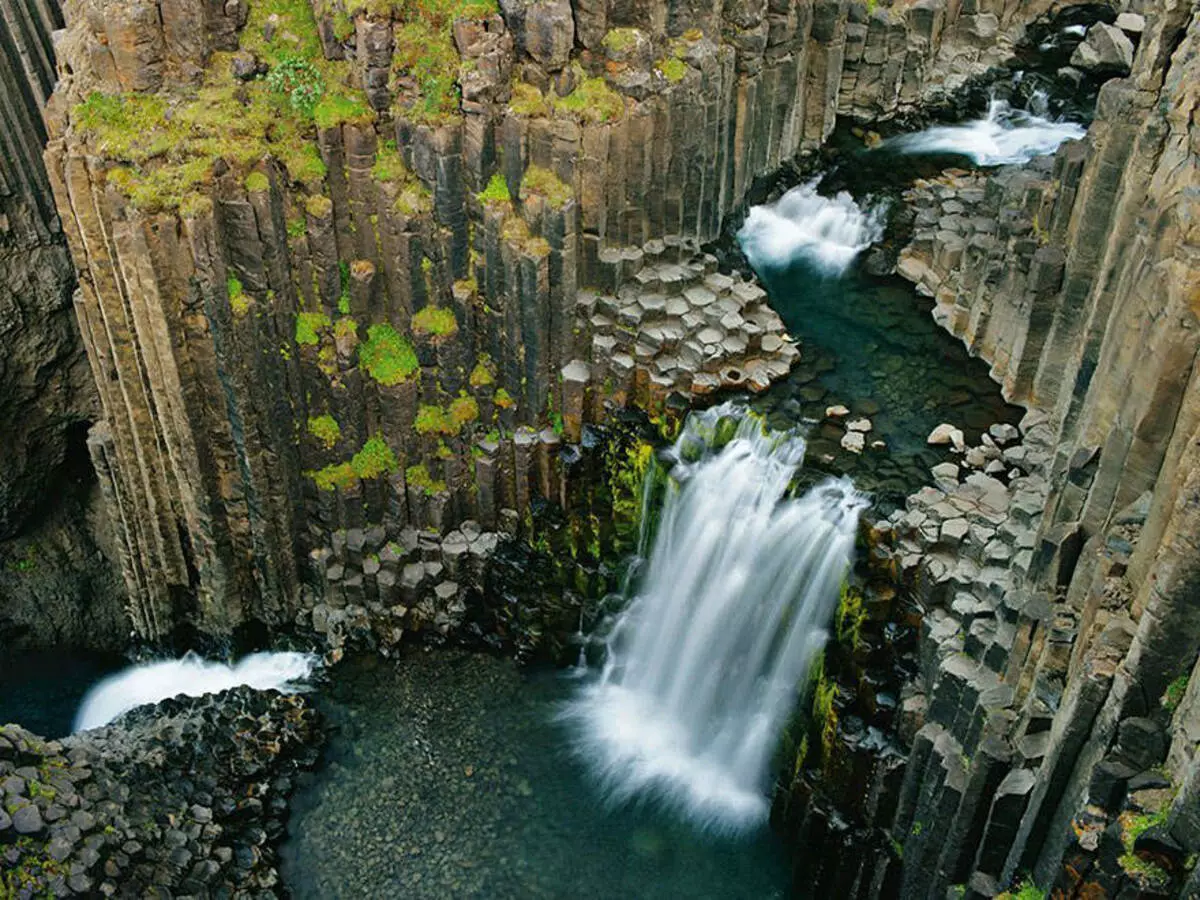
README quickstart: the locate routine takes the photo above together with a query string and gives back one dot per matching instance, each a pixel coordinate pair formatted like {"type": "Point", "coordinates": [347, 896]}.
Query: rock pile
{"type": "Point", "coordinates": [185, 798]}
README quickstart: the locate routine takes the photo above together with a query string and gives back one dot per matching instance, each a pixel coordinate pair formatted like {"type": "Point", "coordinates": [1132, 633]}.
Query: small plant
{"type": "Point", "coordinates": [673, 69]}
{"type": "Point", "coordinates": [850, 616]}
{"type": "Point", "coordinates": [300, 81]}
{"type": "Point", "coordinates": [257, 183]}
{"type": "Point", "coordinates": [418, 477]}
{"type": "Point", "coordinates": [1174, 693]}
{"type": "Point", "coordinates": [481, 375]}
{"type": "Point", "coordinates": [504, 400]}
{"type": "Point", "coordinates": [238, 301]}
{"type": "Point", "coordinates": [546, 184]}
{"type": "Point", "coordinates": [463, 410]}
{"type": "Point", "coordinates": [27, 562]}
{"type": "Point", "coordinates": [496, 191]}
{"type": "Point", "coordinates": [374, 459]}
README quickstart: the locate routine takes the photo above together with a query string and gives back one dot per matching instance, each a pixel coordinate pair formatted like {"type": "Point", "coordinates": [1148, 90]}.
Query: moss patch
{"type": "Point", "coordinates": [309, 326]}
{"type": "Point", "coordinates": [374, 460]}
{"type": "Point", "coordinates": [496, 191]}
{"type": "Point", "coordinates": [545, 184]}
{"type": "Point", "coordinates": [325, 429]}
{"type": "Point", "coordinates": [387, 356]}
{"type": "Point", "coordinates": [591, 101]}
{"type": "Point", "coordinates": [418, 477]}
{"type": "Point", "coordinates": [239, 302]}
{"type": "Point", "coordinates": [528, 101]}
{"type": "Point", "coordinates": [434, 320]}
{"type": "Point", "coordinates": [673, 69]}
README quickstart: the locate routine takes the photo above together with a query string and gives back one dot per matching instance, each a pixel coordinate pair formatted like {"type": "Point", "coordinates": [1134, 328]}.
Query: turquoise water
{"type": "Point", "coordinates": [449, 777]}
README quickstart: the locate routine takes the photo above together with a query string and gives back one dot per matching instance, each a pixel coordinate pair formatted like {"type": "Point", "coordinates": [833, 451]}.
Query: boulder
{"type": "Point", "coordinates": [947, 434]}
{"type": "Point", "coordinates": [1132, 24]}
{"type": "Point", "coordinates": [836, 412]}
{"type": "Point", "coordinates": [1106, 50]}
{"type": "Point", "coordinates": [854, 441]}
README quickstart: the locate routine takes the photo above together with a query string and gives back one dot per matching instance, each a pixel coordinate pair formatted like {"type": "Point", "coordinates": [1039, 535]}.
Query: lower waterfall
{"type": "Point", "coordinates": [190, 675]}
{"type": "Point", "coordinates": [704, 666]}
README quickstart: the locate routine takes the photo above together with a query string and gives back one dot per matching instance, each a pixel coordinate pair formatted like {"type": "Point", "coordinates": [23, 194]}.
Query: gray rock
{"type": "Point", "coordinates": [1105, 51]}
{"type": "Point", "coordinates": [27, 820]}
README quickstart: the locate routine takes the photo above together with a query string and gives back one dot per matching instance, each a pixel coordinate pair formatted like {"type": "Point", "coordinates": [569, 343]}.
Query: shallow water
{"type": "Point", "coordinates": [871, 344]}
{"type": "Point", "coordinates": [450, 777]}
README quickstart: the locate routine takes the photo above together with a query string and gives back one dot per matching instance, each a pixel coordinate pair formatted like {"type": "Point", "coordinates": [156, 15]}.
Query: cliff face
{"type": "Point", "coordinates": [51, 574]}
{"type": "Point", "coordinates": [1061, 727]}
{"type": "Point", "coordinates": [376, 290]}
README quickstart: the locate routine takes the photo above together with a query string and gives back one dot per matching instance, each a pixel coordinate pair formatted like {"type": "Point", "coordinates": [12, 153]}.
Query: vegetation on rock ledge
{"type": "Point", "coordinates": [387, 356]}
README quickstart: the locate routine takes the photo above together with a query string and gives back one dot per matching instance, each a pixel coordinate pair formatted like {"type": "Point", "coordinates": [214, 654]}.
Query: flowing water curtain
{"type": "Point", "coordinates": [703, 666]}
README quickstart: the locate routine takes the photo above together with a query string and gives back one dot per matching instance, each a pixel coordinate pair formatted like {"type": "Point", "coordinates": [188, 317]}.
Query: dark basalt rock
{"type": "Point", "coordinates": [187, 796]}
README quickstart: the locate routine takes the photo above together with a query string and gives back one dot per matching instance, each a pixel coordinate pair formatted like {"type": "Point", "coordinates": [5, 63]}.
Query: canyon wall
{"type": "Point", "coordinates": [55, 584]}
{"type": "Point", "coordinates": [1053, 724]}
{"type": "Point", "coordinates": [336, 312]}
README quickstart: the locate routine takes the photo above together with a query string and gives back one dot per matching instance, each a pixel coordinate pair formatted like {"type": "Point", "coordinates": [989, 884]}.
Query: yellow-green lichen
{"type": "Point", "coordinates": [418, 477]}
{"type": "Point", "coordinates": [309, 326]}
{"type": "Point", "coordinates": [436, 321]}
{"type": "Point", "coordinates": [325, 428]}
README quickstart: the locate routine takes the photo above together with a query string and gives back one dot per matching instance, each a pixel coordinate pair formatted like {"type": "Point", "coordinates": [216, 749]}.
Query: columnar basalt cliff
{"type": "Point", "coordinates": [52, 577]}
{"type": "Point", "coordinates": [381, 285]}
{"type": "Point", "coordinates": [1060, 635]}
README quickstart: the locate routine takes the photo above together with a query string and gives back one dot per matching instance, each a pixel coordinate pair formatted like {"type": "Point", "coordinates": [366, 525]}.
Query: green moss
{"type": "Point", "coordinates": [374, 460]}
{"type": "Point", "coordinates": [673, 69]}
{"type": "Point", "coordinates": [481, 375]}
{"type": "Point", "coordinates": [618, 40]}
{"type": "Point", "coordinates": [387, 356]}
{"type": "Point", "coordinates": [463, 411]}
{"type": "Point", "coordinates": [325, 429]}
{"type": "Point", "coordinates": [418, 477]}
{"type": "Point", "coordinates": [850, 616]}
{"type": "Point", "coordinates": [527, 100]}
{"type": "Point", "coordinates": [1174, 693]}
{"type": "Point", "coordinates": [434, 420]}
{"type": "Point", "coordinates": [303, 162]}
{"type": "Point", "coordinates": [257, 183]}
{"type": "Point", "coordinates": [504, 400]}
{"type": "Point", "coordinates": [434, 320]}
{"type": "Point", "coordinates": [318, 206]}
{"type": "Point", "coordinates": [345, 107]}
{"type": "Point", "coordinates": [824, 713]}
{"type": "Point", "coordinates": [591, 101]}
{"type": "Point", "coordinates": [547, 185]}
{"type": "Point", "coordinates": [26, 562]}
{"type": "Point", "coordinates": [426, 62]}
{"type": "Point", "coordinates": [309, 325]}
{"type": "Point", "coordinates": [496, 191]}
{"type": "Point", "coordinates": [238, 301]}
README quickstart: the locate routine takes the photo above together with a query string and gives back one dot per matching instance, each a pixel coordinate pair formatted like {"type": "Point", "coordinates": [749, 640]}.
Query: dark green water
{"type": "Point", "coordinates": [449, 778]}
{"type": "Point", "coordinates": [41, 690]}
{"type": "Point", "coordinates": [871, 345]}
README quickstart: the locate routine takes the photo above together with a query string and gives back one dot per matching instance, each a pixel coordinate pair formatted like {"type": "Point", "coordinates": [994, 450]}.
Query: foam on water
{"type": "Point", "coordinates": [705, 664]}
{"type": "Point", "coordinates": [191, 675]}
{"type": "Point", "coordinates": [1003, 137]}
{"type": "Point", "coordinates": [827, 232]}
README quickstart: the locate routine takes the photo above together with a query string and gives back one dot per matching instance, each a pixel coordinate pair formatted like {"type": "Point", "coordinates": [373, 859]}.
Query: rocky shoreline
{"type": "Point", "coordinates": [185, 798]}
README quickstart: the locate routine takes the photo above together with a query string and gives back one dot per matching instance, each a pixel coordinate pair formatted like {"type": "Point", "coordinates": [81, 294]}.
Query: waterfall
{"type": "Point", "coordinates": [705, 664]}
{"type": "Point", "coordinates": [191, 675]}
{"type": "Point", "coordinates": [827, 232]}
{"type": "Point", "coordinates": [1004, 136]}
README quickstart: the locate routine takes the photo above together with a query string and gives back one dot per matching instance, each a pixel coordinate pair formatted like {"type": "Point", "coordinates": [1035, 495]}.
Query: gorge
{"type": "Point", "coordinates": [800, 390]}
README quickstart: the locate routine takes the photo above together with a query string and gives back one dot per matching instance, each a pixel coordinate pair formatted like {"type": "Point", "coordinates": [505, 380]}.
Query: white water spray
{"type": "Point", "coordinates": [828, 232]}
{"type": "Point", "coordinates": [191, 675]}
{"type": "Point", "coordinates": [1004, 136]}
{"type": "Point", "coordinates": [705, 665]}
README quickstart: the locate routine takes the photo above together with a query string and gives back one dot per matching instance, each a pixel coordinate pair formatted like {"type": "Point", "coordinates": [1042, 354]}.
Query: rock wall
{"type": "Point", "coordinates": [52, 576]}
{"type": "Point", "coordinates": [386, 284]}
{"type": "Point", "coordinates": [1059, 736]}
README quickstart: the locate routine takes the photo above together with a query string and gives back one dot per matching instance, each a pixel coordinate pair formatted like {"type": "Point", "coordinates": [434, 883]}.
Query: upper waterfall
{"type": "Point", "coordinates": [704, 666]}
{"type": "Point", "coordinates": [828, 232]}
{"type": "Point", "coordinates": [191, 675]}
{"type": "Point", "coordinates": [1004, 136]}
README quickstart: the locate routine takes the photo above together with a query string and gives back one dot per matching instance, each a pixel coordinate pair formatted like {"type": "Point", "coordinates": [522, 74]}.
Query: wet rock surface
{"type": "Point", "coordinates": [188, 797]}
{"type": "Point", "coordinates": [447, 776]}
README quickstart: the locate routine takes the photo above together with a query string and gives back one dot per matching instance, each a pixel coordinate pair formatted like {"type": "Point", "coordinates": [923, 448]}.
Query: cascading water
{"type": "Point", "coordinates": [828, 232]}
{"type": "Point", "coordinates": [704, 665]}
{"type": "Point", "coordinates": [191, 675]}
{"type": "Point", "coordinates": [1004, 136]}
